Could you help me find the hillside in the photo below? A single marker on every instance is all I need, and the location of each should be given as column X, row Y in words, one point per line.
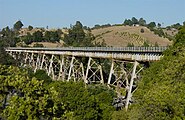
column 119, row 36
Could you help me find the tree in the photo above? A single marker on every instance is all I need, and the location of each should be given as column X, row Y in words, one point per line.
column 30, row 27
column 151, row 25
column 9, row 37
column 146, row 44
column 77, row 36
column 134, row 20
column 180, row 37
column 128, row 22
column 6, row 59
column 25, row 97
column 52, row 36
column 18, row 25
column 28, row 39
column 92, row 102
column 158, row 25
column 37, row 36
column 176, row 26
column 160, row 94
column 142, row 22
column 142, row 30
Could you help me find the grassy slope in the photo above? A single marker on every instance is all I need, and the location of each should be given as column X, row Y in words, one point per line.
column 119, row 36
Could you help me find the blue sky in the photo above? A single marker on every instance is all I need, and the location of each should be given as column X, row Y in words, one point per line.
column 62, row 13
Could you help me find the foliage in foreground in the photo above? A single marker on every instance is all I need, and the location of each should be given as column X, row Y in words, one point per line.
column 161, row 91
column 23, row 96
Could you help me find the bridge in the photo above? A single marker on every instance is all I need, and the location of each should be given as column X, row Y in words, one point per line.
column 118, row 67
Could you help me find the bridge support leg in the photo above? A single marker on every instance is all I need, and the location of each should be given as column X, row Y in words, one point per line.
column 96, row 74
column 111, row 72
column 42, row 62
column 50, row 71
column 70, row 69
column 77, row 70
column 87, row 71
column 26, row 58
column 37, row 63
column 31, row 61
column 61, row 74
column 129, row 95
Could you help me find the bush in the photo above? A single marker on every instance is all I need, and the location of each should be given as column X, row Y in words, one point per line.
column 142, row 30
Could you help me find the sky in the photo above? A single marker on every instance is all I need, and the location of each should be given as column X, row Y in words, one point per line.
column 63, row 13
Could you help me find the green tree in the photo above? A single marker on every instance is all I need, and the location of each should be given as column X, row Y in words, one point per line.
column 134, row 20
column 142, row 30
column 37, row 36
column 8, row 37
column 151, row 25
column 30, row 28
column 146, row 44
column 158, row 25
column 18, row 25
column 128, row 22
column 92, row 102
column 6, row 59
column 180, row 37
column 142, row 22
column 176, row 26
column 161, row 91
column 52, row 36
column 28, row 39
column 77, row 36
column 25, row 97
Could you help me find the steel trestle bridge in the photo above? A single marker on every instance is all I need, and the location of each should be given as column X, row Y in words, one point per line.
column 88, row 64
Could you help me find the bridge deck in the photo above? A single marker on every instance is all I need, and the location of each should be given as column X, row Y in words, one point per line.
column 126, row 53
column 96, row 49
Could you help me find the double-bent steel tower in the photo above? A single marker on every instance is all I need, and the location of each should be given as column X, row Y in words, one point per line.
column 117, row 67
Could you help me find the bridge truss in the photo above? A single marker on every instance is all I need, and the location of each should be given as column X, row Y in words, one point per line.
column 118, row 68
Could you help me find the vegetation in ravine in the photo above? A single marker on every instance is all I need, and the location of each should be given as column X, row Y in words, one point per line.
column 27, row 95
column 160, row 95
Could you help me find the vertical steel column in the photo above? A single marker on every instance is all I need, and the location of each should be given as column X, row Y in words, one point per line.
column 129, row 95
column 25, row 60
column 50, row 66
column 43, row 59
column 37, row 63
column 83, row 75
column 61, row 72
column 71, row 66
column 101, row 75
column 31, row 63
column 87, row 71
column 111, row 72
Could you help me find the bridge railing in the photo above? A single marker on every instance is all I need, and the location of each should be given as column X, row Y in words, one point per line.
column 106, row 49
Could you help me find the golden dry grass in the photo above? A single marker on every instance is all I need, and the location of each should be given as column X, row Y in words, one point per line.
column 119, row 36
column 47, row 44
